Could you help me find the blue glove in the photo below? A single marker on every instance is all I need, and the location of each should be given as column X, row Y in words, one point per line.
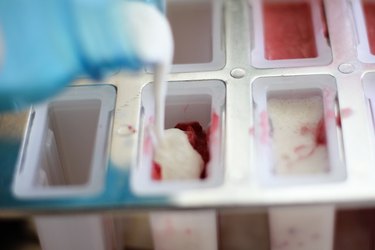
column 46, row 44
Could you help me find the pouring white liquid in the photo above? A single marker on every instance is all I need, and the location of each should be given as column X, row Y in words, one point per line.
column 154, row 44
column 172, row 147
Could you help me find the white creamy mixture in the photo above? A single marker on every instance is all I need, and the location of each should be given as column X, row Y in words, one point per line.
column 154, row 43
column 177, row 158
column 294, row 128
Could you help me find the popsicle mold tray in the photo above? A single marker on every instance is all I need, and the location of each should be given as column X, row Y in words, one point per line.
column 285, row 90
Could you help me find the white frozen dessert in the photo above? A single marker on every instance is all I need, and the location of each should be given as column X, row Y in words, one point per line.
column 298, row 135
column 176, row 156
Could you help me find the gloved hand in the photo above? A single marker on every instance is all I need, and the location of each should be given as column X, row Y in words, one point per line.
column 46, row 44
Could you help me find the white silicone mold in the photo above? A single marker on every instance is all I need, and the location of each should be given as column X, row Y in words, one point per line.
column 65, row 149
column 288, row 88
column 258, row 57
column 201, row 101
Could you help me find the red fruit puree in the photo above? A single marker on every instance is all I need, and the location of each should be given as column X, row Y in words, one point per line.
column 288, row 31
column 320, row 135
column 369, row 8
column 198, row 140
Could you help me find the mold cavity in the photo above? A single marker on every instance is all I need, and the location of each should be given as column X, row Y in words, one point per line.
column 369, row 14
column 185, row 109
column 288, row 30
column 66, row 160
column 290, row 34
column 298, row 132
column 196, row 108
column 191, row 114
column 192, row 28
column 66, row 150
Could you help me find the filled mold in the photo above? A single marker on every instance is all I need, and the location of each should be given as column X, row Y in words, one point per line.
column 301, row 118
column 65, row 149
column 188, row 105
column 295, row 38
column 289, row 34
column 297, row 130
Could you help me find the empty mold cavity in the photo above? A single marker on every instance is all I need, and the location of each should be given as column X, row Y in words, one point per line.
column 65, row 149
column 289, row 34
column 196, row 27
column 364, row 17
column 297, row 134
column 200, row 101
